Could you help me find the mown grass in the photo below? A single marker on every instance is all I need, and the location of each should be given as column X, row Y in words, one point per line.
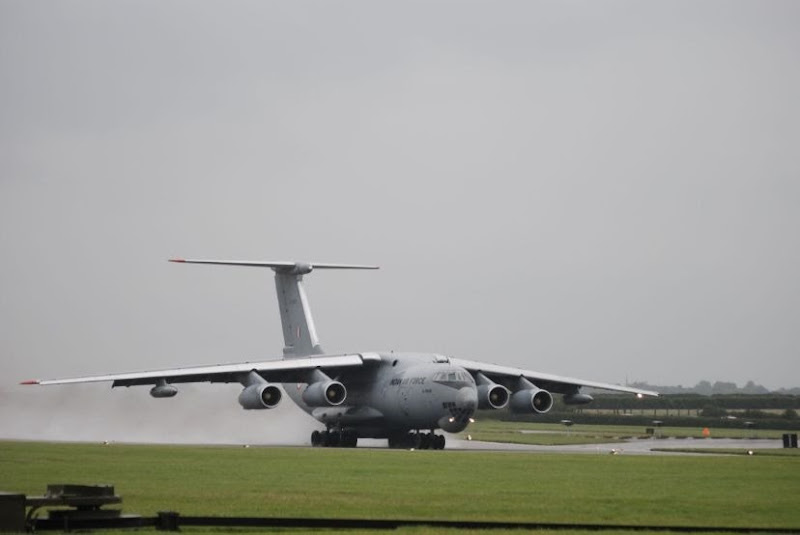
column 735, row 451
column 557, row 434
column 451, row 485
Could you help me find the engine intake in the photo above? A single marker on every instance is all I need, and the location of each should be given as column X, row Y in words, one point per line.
column 260, row 396
column 531, row 400
column 325, row 393
column 490, row 394
column 492, row 397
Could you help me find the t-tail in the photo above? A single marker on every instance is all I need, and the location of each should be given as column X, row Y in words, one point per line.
column 299, row 334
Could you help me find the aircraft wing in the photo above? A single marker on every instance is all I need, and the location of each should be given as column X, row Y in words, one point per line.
column 552, row 383
column 276, row 371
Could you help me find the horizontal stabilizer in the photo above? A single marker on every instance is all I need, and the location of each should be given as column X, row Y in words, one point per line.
column 298, row 267
column 299, row 333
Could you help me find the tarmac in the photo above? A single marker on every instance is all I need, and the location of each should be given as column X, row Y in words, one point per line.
column 629, row 447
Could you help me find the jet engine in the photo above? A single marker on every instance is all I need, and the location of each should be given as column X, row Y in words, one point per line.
column 531, row 400
column 260, row 396
column 324, row 394
column 490, row 394
column 492, row 397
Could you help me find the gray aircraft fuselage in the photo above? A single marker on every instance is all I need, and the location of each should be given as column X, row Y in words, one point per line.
column 401, row 393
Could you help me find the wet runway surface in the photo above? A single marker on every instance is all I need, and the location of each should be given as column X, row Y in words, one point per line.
column 630, row 447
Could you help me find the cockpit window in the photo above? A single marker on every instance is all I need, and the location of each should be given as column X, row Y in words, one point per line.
column 455, row 379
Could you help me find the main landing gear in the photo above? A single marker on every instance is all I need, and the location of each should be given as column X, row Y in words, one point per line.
column 334, row 439
column 417, row 441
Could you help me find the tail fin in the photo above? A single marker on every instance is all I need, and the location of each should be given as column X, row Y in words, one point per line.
column 299, row 333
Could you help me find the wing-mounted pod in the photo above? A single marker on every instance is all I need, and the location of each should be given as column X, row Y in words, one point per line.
column 490, row 394
column 324, row 391
column 530, row 398
column 577, row 398
column 163, row 390
column 258, row 393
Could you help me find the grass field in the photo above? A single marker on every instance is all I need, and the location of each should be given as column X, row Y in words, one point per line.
column 374, row 483
column 737, row 451
column 552, row 434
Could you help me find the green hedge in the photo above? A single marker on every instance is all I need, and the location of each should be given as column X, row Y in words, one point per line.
column 641, row 420
column 696, row 402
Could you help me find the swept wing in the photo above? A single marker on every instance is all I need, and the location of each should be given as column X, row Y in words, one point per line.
column 553, row 383
column 278, row 371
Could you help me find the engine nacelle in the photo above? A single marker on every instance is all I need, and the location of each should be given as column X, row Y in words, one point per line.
column 531, row 400
column 577, row 399
column 325, row 394
column 492, row 396
column 260, row 396
column 163, row 390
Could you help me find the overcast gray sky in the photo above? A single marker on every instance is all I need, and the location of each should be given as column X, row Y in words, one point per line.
column 607, row 190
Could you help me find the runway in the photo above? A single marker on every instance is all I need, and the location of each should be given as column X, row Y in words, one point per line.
column 628, row 447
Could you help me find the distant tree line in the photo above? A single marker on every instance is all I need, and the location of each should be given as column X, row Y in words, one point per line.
column 707, row 388
column 696, row 402
column 646, row 421
column 765, row 411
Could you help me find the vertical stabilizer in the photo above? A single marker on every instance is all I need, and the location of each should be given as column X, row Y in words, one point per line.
column 299, row 334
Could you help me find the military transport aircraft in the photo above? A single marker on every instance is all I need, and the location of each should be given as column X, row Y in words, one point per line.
column 403, row 397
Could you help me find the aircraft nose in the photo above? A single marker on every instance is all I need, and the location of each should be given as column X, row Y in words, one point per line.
column 466, row 401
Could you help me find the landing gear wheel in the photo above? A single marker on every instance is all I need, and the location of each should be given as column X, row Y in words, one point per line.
column 438, row 442
column 425, row 441
column 414, row 441
column 349, row 440
column 316, row 439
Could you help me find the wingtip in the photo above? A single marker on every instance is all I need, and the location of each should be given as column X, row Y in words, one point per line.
column 30, row 382
column 182, row 260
